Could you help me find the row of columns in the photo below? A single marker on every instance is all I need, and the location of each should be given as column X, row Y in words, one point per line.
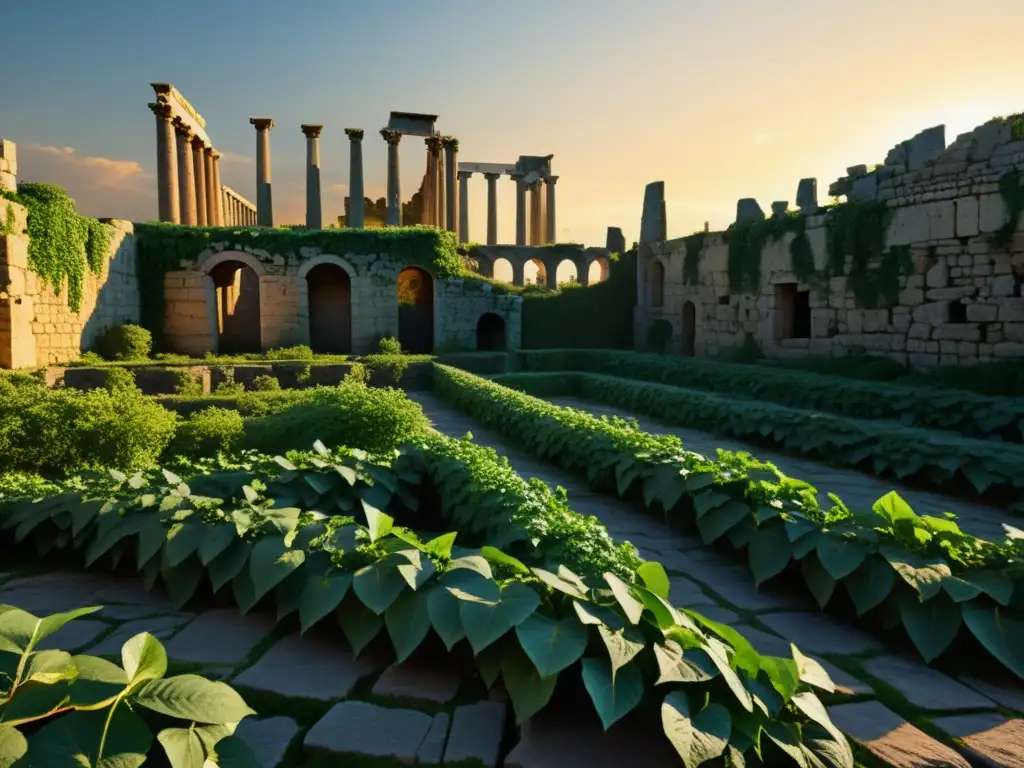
column 541, row 214
column 188, row 172
column 238, row 212
column 440, row 208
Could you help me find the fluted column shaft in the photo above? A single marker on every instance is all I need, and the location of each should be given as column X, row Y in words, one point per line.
column 550, row 219
column 520, row 208
column 492, row 207
column 199, row 179
column 264, row 198
column 464, row 177
column 166, row 163
column 535, row 213
column 356, row 208
column 186, row 177
column 314, row 207
column 218, row 197
column 451, row 165
column 394, row 179
column 211, row 189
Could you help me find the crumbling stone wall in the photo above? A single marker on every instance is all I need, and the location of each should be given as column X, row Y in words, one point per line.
column 960, row 304
column 459, row 306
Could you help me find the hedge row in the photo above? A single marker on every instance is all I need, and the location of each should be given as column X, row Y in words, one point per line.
column 886, row 449
column 923, row 572
column 932, row 408
column 308, row 534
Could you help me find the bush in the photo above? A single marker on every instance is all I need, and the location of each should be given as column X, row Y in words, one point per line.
column 266, row 383
column 66, row 430
column 299, row 352
column 389, row 345
column 118, row 379
column 124, row 342
column 187, row 382
column 207, row 433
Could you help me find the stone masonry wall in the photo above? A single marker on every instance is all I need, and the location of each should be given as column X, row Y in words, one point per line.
column 962, row 304
column 458, row 307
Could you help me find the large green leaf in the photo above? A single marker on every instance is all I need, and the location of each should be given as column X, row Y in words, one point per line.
column 12, row 746
column 48, row 667
column 229, row 563
column 840, row 556
column 655, row 578
column 552, row 645
column 408, row 623
column 488, row 614
column 924, row 575
column 769, row 552
column 818, row 580
column 528, row 689
column 418, row 570
column 932, row 625
column 697, row 738
column 623, row 645
column 183, row 747
column 321, row 595
column 99, row 682
column 999, row 633
column 631, row 605
column 443, row 609
column 676, row 665
column 870, row 584
column 217, row 539
column 614, row 695
column 271, row 562
column 144, row 658
column 379, row 584
column 377, row 523
column 359, row 623
column 183, row 540
column 73, row 740
column 232, row 752
column 193, row 698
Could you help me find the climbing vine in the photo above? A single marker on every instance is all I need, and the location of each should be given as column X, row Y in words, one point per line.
column 691, row 261
column 801, row 254
column 7, row 228
column 1011, row 189
column 62, row 243
column 746, row 239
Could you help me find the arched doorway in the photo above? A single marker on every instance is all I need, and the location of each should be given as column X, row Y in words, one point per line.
column 566, row 272
column 689, row 328
column 502, row 271
column 659, row 336
column 238, row 307
column 416, row 311
column 490, row 333
column 656, row 282
column 598, row 271
column 535, row 272
column 330, row 309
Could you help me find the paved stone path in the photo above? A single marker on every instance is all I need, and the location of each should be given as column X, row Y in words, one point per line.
column 924, row 710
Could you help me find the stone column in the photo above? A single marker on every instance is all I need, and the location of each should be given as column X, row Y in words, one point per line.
column 518, row 273
column 199, row 177
column 535, row 213
column 550, row 219
column 464, row 177
column 492, row 207
column 394, row 178
column 356, row 206
column 427, row 204
column 520, row 208
column 314, row 208
column 186, row 179
column 166, row 163
column 439, row 196
column 451, row 165
column 264, row 198
column 218, row 195
column 211, row 189
column 433, row 185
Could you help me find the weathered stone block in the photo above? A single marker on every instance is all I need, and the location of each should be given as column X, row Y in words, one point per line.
column 932, row 313
column 891, row 739
column 937, row 276
column 982, row 313
column 748, row 209
column 807, row 195
column 1011, row 310
column 476, row 733
column 956, row 332
column 358, row 728
column 653, row 227
column 991, row 213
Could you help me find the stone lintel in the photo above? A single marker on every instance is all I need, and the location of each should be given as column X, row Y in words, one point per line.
column 502, row 169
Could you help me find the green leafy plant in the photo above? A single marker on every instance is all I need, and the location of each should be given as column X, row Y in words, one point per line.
column 298, row 352
column 116, row 379
column 124, row 342
column 265, row 383
column 187, row 383
column 84, row 708
column 857, row 230
column 389, row 345
column 691, row 260
column 7, row 228
column 207, row 432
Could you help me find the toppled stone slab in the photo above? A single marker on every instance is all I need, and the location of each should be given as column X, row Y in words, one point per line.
column 48, row 593
column 358, row 728
column 924, row 687
column 268, row 738
column 990, row 738
column 220, row 637
column 1004, row 696
column 719, row 614
column 748, row 209
column 431, row 751
column 736, row 586
column 74, row 635
column 891, row 739
column 476, row 733
column 130, row 592
column 306, row 668
column 418, row 682
column 684, row 593
column 820, row 634
column 162, row 628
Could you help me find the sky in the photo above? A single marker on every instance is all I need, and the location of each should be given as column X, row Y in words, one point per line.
column 720, row 99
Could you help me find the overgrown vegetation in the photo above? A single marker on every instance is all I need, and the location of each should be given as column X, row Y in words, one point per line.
column 857, row 230
column 124, row 342
column 62, row 243
column 1011, row 190
column 691, row 260
column 746, row 240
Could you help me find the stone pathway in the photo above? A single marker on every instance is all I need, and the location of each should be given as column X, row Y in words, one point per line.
column 895, row 707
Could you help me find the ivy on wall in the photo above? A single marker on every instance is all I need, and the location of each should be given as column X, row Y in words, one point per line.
column 62, row 243
column 1011, row 189
column 7, row 228
column 746, row 240
column 691, row 261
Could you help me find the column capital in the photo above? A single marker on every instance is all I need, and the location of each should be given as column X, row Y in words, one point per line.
column 492, row 176
column 433, row 145
column 262, row 123
column 391, row 137
column 465, row 175
column 163, row 110
column 183, row 129
column 198, row 143
column 550, row 180
column 517, row 177
column 450, row 143
column 214, row 153
column 354, row 134
column 311, row 131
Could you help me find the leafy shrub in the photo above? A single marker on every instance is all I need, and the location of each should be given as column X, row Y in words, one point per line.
column 66, row 430
column 357, row 374
column 389, row 345
column 117, row 379
column 124, row 342
column 229, row 386
column 266, row 383
column 299, row 352
column 186, row 382
column 89, row 358
column 208, row 432
column 84, row 710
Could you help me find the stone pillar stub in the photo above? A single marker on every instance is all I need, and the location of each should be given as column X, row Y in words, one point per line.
column 492, row 207
column 549, row 219
column 807, row 195
column 166, row 163
column 314, row 209
column 186, row 174
column 779, row 207
column 264, row 197
column 925, row 146
column 652, row 223
column 356, row 205
column 199, row 179
column 615, row 241
column 464, row 177
column 8, row 165
column 748, row 209
column 394, row 201
column 520, row 181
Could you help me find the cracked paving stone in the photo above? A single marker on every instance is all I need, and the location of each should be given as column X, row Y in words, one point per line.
column 306, row 667
column 736, row 586
column 891, row 739
column 924, row 687
column 820, row 634
column 719, row 614
column 684, row 593
column 160, row 627
column 476, row 733
column 268, row 738
column 1003, row 695
column 431, row 751
column 418, row 682
column 74, row 635
column 990, row 738
column 220, row 637
column 130, row 592
column 358, row 728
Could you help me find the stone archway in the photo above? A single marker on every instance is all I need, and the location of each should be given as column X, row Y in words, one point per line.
column 237, row 309
column 329, row 290
column 416, row 311
column 490, row 333
column 689, row 332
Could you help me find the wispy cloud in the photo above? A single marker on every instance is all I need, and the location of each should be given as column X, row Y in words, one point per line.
column 233, row 159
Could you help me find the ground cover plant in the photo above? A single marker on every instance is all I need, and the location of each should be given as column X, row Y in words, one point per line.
column 933, row 408
column 946, row 589
column 993, row 469
column 342, row 536
column 59, row 709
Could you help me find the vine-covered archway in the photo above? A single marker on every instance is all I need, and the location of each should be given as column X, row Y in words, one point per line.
column 416, row 311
